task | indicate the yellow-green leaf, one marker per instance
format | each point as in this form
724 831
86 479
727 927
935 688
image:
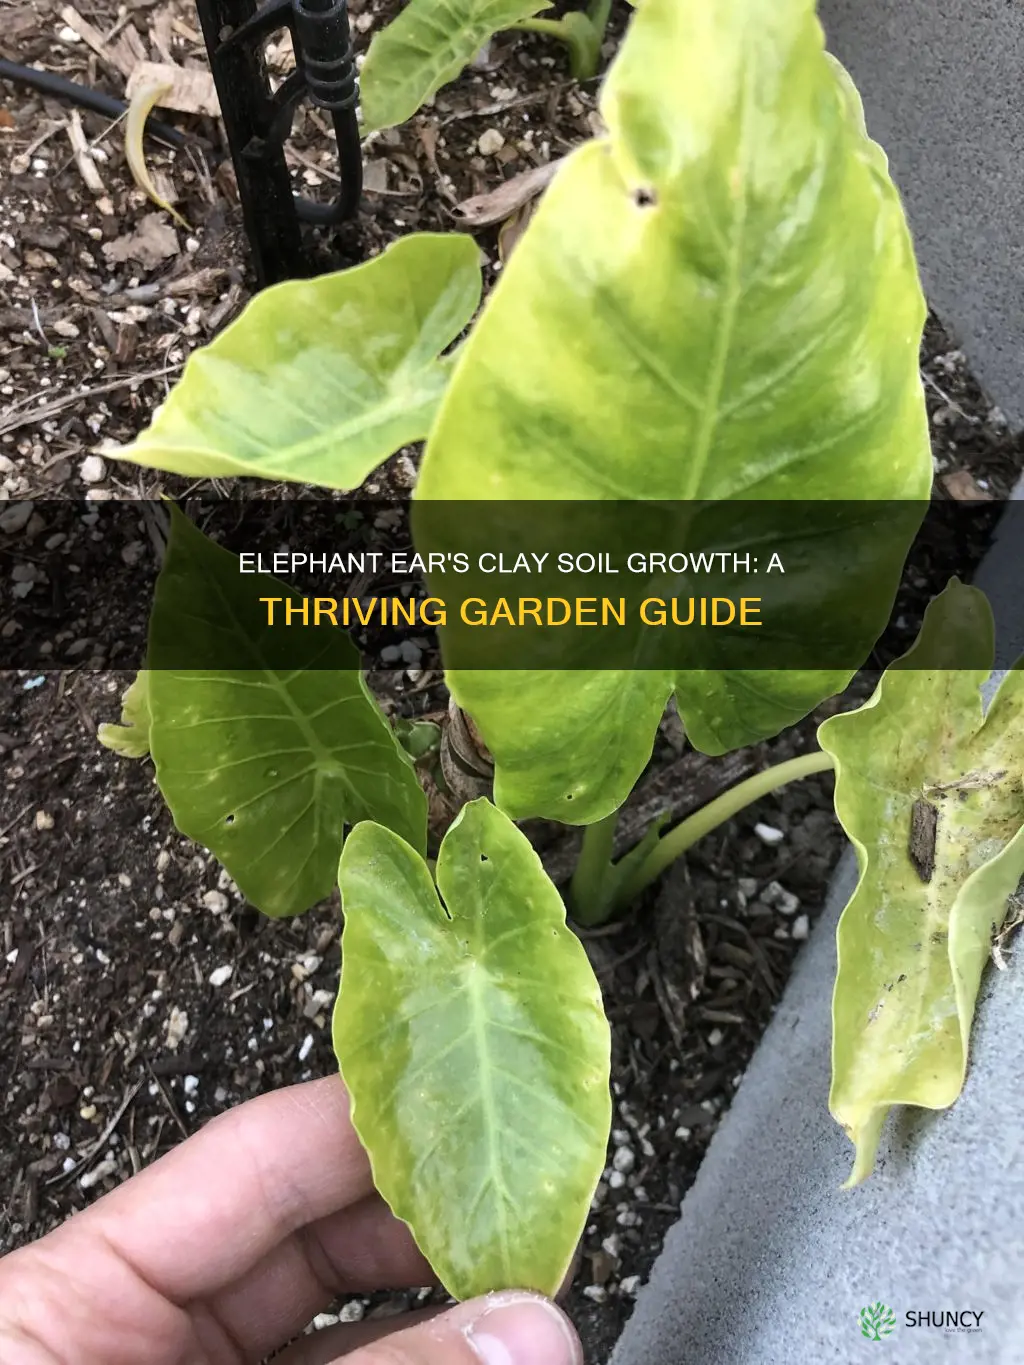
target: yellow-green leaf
319 381
130 739
719 301
265 754
930 790
471 1036
426 47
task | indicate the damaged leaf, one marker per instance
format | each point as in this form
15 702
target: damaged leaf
930 790
484 210
716 301
142 103
153 242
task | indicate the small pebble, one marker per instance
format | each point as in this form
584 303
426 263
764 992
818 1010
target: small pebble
92 469
220 976
177 1027
490 142
616 1180
98 1173
782 900
769 835
16 517
191 1084
624 1160
352 1312
630 1286
215 901
595 1292
801 927
306 1047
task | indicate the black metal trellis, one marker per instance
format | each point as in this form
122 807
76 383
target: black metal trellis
258 120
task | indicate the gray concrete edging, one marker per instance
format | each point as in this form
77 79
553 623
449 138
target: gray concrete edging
771 1261
944 96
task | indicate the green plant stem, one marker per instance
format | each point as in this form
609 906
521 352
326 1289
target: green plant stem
599 12
676 842
592 883
582 32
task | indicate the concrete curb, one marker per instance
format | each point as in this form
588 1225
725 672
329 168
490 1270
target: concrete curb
942 92
771 1261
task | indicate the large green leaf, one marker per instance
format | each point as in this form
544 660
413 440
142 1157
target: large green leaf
267 753
921 756
426 47
471 1036
718 300
321 380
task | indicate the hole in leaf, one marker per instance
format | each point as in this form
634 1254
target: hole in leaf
229 819
484 858
568 796
645 198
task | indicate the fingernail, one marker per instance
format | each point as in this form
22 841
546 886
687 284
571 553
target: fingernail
524 1331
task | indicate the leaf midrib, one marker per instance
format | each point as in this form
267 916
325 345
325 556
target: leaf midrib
724 331
478 1015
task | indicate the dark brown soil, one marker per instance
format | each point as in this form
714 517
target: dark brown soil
116 925
114 1044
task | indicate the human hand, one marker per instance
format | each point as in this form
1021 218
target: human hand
227 1247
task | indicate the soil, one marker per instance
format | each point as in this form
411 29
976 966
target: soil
115 1041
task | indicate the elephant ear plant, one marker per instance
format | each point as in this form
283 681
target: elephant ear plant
431 41
716 303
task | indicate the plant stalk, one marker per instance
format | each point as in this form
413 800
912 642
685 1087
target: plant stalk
676 842
593 885
599 12
581 31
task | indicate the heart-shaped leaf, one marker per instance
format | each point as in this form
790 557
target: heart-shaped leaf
319 381
427 46
471 1036
719 301
265 764
931 792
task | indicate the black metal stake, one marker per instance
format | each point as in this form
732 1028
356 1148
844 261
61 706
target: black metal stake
264 184
258 119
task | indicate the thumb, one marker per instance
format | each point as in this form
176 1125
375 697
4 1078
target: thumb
508 1328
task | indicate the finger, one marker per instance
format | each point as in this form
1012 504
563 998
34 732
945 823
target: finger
77 1299
511 1328
205 1214
363 1248
333 1343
